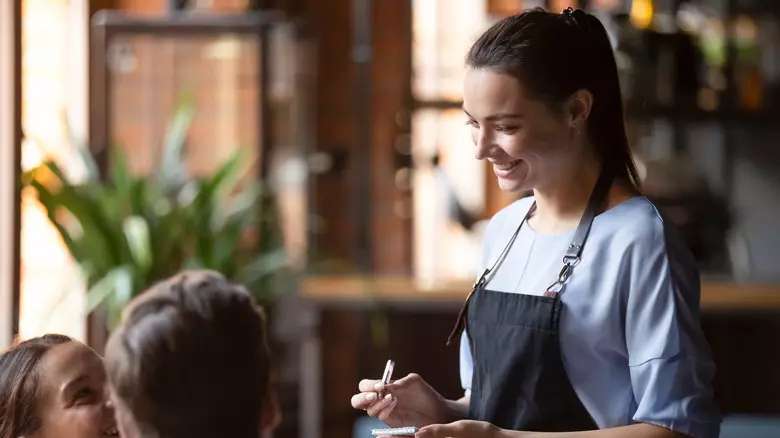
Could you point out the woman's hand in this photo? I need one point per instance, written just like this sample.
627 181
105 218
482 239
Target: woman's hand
409 401
466 429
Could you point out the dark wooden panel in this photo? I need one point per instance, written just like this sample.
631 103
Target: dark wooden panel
746 349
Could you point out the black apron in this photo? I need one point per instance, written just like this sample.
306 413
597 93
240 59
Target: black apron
519 380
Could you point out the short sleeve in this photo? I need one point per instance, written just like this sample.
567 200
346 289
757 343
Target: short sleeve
466 365
670 362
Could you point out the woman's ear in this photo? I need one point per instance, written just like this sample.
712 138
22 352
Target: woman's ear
578 108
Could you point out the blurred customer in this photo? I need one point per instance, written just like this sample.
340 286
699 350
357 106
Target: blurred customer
190 360
455 211
54 387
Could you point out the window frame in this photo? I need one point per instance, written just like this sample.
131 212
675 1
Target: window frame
10 175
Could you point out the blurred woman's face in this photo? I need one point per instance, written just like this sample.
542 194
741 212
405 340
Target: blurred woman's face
73 398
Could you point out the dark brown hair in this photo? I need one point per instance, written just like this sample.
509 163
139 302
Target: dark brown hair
555 55
190 359
19 385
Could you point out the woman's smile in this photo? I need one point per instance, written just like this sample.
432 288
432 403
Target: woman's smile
504 170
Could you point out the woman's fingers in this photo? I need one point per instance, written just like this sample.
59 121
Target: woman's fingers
408 381
364 400
378 406
384 414
367 385
368 393
377 399
459 429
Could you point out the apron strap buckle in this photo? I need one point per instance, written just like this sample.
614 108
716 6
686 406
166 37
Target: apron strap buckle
565 273
568 266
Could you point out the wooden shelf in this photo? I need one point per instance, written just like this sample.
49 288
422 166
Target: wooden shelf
715 296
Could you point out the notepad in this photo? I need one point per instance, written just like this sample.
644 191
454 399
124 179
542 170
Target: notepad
396 431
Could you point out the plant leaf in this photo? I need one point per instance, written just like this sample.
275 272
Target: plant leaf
244 204
90 167
229 174
137 236
118 282
173 171
104 244
55 169
264 266
120 175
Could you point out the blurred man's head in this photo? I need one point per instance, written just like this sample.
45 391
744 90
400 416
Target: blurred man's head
190 359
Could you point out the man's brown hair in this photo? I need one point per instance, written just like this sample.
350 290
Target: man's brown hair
190 359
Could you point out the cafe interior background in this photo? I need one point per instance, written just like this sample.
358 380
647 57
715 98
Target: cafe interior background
316 150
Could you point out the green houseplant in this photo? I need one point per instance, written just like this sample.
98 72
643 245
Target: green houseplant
127 231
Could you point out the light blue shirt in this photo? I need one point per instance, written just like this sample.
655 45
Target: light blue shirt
630 336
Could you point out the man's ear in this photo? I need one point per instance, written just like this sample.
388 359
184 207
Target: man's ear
125 420
271 416
578 107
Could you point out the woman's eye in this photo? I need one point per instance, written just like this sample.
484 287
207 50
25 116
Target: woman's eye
82 395
472 123
506 129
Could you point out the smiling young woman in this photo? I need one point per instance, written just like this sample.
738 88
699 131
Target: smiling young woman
584 321
54 387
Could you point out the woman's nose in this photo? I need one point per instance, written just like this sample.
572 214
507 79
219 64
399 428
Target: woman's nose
483 143
108 401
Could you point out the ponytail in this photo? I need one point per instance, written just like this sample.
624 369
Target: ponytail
555 55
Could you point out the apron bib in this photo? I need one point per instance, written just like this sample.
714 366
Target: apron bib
519 380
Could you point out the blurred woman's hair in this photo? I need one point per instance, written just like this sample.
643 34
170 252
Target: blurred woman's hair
190 359
19 381
555 55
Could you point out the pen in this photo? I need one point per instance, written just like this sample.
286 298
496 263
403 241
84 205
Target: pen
387 374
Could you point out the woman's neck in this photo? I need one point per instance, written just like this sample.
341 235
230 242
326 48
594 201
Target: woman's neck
559 205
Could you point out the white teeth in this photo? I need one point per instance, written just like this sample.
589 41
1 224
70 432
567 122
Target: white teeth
112 432
506 166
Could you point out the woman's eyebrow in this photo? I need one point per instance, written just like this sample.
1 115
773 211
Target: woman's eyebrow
74 382
498 116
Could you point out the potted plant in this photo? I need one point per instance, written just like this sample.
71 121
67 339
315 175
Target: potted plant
127 231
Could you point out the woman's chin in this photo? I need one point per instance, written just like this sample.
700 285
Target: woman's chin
513 185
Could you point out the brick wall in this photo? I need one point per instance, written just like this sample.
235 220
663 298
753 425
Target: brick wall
140 117
225 90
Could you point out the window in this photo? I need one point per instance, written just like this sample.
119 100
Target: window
452 191
54 84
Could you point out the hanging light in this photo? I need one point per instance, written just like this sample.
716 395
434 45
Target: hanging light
641 14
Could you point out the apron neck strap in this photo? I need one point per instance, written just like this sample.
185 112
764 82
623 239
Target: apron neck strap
571 258
598 198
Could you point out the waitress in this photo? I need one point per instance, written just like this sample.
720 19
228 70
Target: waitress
584 321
